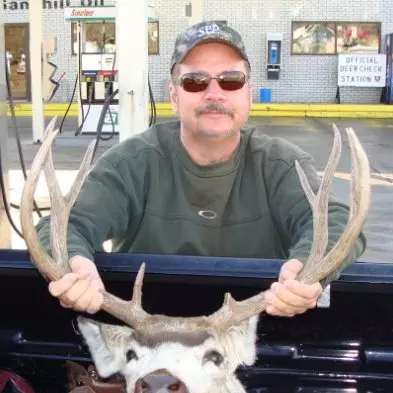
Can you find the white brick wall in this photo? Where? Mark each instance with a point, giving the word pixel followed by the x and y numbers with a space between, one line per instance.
pixel 302 79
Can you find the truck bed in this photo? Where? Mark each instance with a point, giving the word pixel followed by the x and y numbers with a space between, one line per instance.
pixel 344 348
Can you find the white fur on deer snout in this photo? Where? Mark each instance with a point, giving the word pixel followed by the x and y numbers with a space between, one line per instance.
pixel 184 363
pixel 182 353
pixel 160 382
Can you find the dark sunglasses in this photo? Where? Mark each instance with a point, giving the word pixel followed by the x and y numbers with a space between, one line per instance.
pixel 194 82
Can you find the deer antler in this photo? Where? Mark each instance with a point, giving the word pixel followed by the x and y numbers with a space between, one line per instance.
pixel 57 266
pixel 318 265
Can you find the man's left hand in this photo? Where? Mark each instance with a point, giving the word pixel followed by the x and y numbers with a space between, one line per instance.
pixel 289 297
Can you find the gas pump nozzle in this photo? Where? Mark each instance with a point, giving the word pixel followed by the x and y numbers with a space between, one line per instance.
pixel 90 92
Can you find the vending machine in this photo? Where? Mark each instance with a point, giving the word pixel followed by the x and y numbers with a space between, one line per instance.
pixel 388 48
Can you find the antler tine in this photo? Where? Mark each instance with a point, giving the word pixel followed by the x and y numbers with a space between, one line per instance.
pixel 137 292
pixel 360 206
pixel 320 209
pixel 233 312
pixel 61 207
pixel 45 264
pixel 81 175
pixel 319 203
pixel 360 201
pixel 130 312
pixel 355 202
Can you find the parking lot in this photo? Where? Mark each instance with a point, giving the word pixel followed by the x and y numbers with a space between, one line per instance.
pixel 313 135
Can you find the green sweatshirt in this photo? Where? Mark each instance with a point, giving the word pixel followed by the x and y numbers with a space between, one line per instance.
pixel 148 196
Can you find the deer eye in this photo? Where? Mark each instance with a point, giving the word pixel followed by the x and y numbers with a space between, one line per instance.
pixel 213 356
pixel 131 355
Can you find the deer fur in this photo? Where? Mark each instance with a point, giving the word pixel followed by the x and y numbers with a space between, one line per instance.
pixel 108 345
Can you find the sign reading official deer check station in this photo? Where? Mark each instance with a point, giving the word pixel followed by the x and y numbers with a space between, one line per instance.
pixel 362 70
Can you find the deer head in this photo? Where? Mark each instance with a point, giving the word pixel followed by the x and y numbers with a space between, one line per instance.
pixel 159 353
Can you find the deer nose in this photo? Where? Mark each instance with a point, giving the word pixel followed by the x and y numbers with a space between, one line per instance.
pixel 160 381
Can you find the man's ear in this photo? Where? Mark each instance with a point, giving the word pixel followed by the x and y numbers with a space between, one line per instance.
pixel 240 342
pixel 173 97
pixel 106 344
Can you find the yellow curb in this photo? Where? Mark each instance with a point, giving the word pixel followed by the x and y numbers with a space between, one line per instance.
pixel 164 109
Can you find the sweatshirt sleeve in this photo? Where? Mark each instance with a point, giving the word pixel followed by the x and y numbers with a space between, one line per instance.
pixel 101 212
pixel 294 216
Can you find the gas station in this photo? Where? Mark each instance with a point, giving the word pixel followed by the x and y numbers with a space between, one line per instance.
pixel 119 78
pixel 101 74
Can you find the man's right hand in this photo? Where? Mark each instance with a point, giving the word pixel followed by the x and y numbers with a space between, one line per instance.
pixel 81 289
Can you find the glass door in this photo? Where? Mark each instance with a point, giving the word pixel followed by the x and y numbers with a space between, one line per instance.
pixel 17 50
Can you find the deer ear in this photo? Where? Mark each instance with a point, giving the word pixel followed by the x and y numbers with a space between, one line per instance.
pixel 240 340
pixel 105 344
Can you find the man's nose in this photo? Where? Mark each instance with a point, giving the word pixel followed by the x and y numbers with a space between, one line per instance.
pixel 214 90
pixel 160 381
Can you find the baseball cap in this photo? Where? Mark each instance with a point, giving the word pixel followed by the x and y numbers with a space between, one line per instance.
pixel 204 32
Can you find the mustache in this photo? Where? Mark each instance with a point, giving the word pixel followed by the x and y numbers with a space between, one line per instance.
pixel 213 107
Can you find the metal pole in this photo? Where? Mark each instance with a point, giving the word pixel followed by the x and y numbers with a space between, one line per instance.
pixel 78 58
pixel 132 63
pixel 36 39
pixel 5 228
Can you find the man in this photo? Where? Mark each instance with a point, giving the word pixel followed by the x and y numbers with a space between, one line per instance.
pixel 201 185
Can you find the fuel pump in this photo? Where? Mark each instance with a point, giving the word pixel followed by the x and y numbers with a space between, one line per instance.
pixel 97 68
pixel 274 41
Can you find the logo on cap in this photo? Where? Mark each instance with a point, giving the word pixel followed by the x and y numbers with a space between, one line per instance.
pixel 206 31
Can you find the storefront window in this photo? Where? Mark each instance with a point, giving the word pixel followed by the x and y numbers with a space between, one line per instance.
pixel 100 37
pixel 96 37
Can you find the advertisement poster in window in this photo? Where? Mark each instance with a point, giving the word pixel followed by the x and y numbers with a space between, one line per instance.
pixel 335 37
pixel 313 38
pixel 358 37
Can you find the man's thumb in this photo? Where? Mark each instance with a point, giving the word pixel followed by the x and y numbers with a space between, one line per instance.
pixel 290 270
pixel 82 267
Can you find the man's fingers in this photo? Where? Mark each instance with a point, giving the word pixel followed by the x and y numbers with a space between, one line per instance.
pixel 80 288
pixel 65 305
pixel 291 298
pixel 83 267
pixel 287 303
pixel 295 294
pixel 290 270
pixel 274 306
pixel 80 295
pixel 84 273
pixel 288 296
pixel 59 287
pixel 92 299
pixel 306 291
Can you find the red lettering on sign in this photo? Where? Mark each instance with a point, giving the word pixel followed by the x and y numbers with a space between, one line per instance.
pixel 84 12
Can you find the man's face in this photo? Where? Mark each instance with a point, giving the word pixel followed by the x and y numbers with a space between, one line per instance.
pixel 213 112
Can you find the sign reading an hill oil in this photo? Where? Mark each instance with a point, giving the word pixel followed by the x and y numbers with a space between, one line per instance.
pixel 50 4
pixel 362 70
